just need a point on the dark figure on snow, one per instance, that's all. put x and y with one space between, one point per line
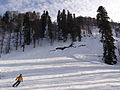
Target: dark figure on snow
19 79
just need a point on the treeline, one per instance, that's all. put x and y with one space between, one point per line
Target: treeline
31 28
21 29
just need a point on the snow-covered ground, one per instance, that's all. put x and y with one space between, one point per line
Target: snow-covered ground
79 68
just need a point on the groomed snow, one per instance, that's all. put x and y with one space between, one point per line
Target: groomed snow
79 68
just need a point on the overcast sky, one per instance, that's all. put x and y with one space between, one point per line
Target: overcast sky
79 7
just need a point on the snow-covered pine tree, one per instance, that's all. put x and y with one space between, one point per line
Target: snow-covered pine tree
109 56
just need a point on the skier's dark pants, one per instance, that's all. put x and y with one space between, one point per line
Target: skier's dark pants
16 84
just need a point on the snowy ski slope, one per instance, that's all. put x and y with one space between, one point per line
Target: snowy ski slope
77 68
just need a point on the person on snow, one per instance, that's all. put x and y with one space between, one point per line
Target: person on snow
19 79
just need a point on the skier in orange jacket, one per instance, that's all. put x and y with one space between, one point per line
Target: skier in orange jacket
19 79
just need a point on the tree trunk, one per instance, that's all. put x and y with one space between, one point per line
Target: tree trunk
2 42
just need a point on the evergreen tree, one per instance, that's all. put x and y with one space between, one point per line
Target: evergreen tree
36 26
59 25
43 23
69 28
64 25
109 56
6 17
50 33
26 23
18 21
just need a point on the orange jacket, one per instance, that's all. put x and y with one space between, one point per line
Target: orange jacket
19 78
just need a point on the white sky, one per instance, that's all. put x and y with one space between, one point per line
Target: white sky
80 7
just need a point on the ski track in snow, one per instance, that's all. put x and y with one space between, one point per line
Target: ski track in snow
72 69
